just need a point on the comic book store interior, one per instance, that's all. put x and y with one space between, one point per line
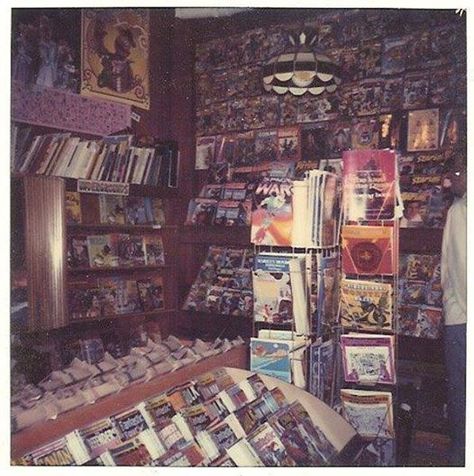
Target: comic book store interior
238 237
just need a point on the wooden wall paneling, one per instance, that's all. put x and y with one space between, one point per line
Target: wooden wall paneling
46 252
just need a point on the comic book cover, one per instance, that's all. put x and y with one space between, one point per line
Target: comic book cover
368 358
272 214
205 152
154 251
160 409
78 253
389 131
366 305
100 436
130 423
101 251
190 455
266 145
368 250
131 453
269 447
73 208
370 58
201 211
423 130
273 298
369 183
314 144
365 133
131 250
155 211
347 59
150 293
213 190
321 370
339 137
415 90
412 292
271 357
365 97
233 212
369 412
135 212
289 143
112 209
320 108
418 267
235 191
392 95
394 55
244 150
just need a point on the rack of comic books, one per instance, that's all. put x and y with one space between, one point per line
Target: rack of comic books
295 229
367 345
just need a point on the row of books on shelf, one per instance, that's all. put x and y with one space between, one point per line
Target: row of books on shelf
112 159
94 373
115 210
209 421
112 296
114 250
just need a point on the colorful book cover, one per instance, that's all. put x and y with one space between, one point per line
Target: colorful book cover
266 145
269 448
201 211
369 184
188 456
273 298
205 152
160 409
78 256
271 357
130 423
394 55
369 412
150 293
365 133
415 91
101 252
272 215
100 437
73 208
368 250
339 137
154 251
289 143
423 130
131 250
233 213
130 453
155 210
321 370
366 305
212 190
368 358
112 210
135 211
244 150
314 144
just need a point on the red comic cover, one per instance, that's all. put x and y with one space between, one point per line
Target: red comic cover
368 250
369 180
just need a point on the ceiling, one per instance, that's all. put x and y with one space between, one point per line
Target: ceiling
206 12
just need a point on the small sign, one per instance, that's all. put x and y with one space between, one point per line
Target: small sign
110 188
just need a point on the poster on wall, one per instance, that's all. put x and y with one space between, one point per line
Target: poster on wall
423 129
115 51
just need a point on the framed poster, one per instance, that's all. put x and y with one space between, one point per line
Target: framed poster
115 55
423 130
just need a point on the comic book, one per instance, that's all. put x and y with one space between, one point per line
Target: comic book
78 252
366 305
364 133
369 412
415 90
368 358
266 145
423 130
135 211
272 215
73 208
205 152
112 209
321 370
150 293
271 357
130 422
233 213
100 436
368 250
273 295
269 448
369 179
102 253
154 251
289 143
201 211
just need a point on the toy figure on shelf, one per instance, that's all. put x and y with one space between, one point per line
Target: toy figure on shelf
23 52
48 53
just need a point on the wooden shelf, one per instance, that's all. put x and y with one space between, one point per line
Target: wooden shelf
216 235
118 227
132 315
118 269
44 432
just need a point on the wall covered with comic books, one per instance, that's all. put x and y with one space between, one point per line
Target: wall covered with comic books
403 87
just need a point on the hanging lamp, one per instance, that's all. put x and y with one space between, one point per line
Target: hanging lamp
301 69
